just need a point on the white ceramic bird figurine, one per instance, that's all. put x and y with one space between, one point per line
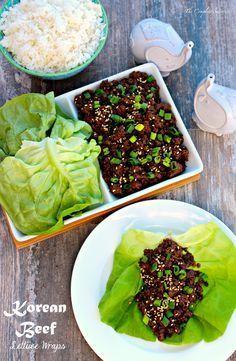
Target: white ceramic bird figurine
215 107
157 42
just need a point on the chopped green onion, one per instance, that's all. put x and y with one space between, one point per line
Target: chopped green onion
143 161
131 178
182 325
144 106
144 259
167 139
191 307
114 180
117 118
153 136
139 127
161 113
160 137
140 106
176 269
99 91
167 116
100 138
168 272
174 165
165 285
165 294
114 99
116 161
130 120
167 154
146 319
149 96
133 88
168 256
87 95
155 151
165 321
121 88
182 274
166 162
134 161
188 290
133 154
159 274
157 303
137 98
153 89
171 305
157 159
150 78
126 186
96 104
173 131
133 139
203 276
154 267
130 128
151 175
106 151
149 158
118 153
165 303
169 314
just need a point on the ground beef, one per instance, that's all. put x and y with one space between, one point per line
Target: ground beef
170 289
136 131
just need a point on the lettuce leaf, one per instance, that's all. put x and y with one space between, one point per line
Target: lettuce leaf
49 180
210 247
32 117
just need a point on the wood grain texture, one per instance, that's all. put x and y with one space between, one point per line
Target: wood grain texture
41 274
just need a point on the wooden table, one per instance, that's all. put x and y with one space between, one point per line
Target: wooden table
41 274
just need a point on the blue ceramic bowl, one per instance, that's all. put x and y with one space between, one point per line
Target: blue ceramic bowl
60 75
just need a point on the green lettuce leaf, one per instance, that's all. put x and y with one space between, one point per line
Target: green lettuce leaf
49 180
210 247
33 117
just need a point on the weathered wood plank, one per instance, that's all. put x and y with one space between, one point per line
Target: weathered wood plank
42 273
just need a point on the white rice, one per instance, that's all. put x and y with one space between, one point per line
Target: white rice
52 35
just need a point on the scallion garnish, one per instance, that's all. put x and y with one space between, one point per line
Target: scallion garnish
174 165
150 78
114 179
165 321
167 138
168 272
118 153
182 274
144 259
155 151
149 96
171 305
151 175
134 161
166 162
130 128
174 131
154 267
133 154
87 95
188 290
165 303
146 319
115 161
133 88
137 99
117 118
176 269
100 138
165 294
161 113
167 116
168 256
160 137
96 104
157 159
159 274
165 285
153 89
169 314
149 158
153 136
191 307
106 151
121 89
131 178
133 139
126 186
114 99
99 91
204 277
157 303
139 127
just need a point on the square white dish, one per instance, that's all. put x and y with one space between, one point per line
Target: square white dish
192 172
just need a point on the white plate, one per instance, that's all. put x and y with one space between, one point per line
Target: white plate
194 165
92 269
